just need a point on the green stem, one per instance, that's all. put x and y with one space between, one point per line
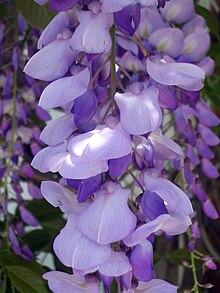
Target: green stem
113 67
193 267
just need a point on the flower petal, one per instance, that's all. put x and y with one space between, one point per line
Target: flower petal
109 210
117 265
61 197
59 281
184 75
176 199
155 286
58 130
51 62
142 261
140 113
77 251
65 90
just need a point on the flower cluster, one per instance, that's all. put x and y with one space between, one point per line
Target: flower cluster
115 69
19 133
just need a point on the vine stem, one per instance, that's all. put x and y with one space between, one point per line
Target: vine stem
113 66
195 288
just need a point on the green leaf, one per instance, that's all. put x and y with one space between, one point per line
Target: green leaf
38 240
211 20
11 259
49 217
4 279
25 280
36 15
3 10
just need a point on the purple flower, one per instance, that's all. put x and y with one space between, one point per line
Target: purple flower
154 286
115 5
168 40
63 127
76 250
88 153
59 281
61 197
92 24
139 110
142 261
184 75
178 11
65 90
51 62
108 211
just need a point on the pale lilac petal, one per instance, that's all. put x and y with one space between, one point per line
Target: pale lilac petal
109 210
92 25
41 2
131 62
150 21
164 147
77 251
176 199
165 222
117 265
117 5
207 65
43 158
196 45
178 11
83 169
155 286
184 75
168 40
61 197
55 27
51 62
140 113
197 21
65 90
58 130
63 282
142 261
101 144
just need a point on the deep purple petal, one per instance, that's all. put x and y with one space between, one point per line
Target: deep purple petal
84 108
62 5
153 206
117 167
142 261
89 186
